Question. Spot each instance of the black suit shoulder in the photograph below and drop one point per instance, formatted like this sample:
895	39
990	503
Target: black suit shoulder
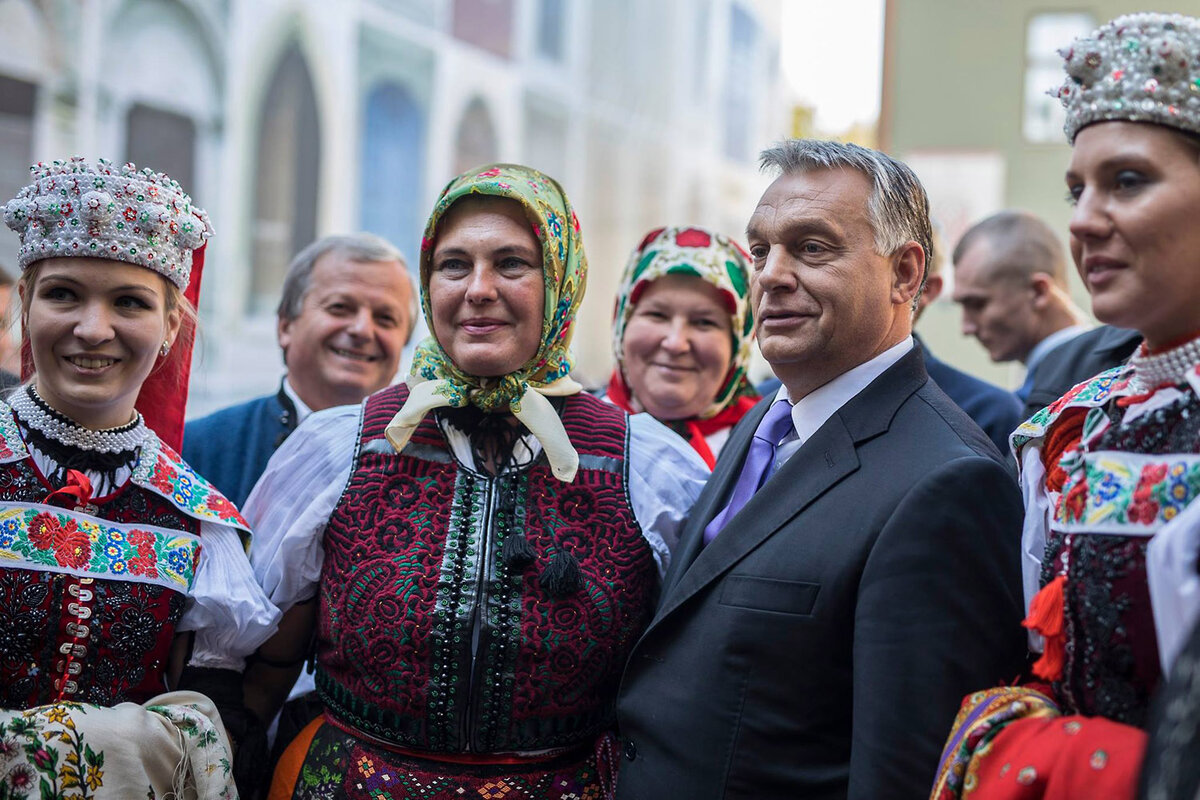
1075	361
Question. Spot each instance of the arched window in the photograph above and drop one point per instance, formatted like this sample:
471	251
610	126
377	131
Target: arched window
17	100
739	83
392	164
475	143
165	142
285	186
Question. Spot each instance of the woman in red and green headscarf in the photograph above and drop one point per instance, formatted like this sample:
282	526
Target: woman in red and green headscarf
483	542
682	335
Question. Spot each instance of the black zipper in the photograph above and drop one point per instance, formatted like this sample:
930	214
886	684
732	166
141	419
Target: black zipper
469	733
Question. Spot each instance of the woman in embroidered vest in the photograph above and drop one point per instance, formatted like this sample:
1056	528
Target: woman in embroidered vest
1109	471
483	543
116	559
682	333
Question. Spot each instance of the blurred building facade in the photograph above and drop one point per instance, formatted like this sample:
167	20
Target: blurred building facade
291	119
964	102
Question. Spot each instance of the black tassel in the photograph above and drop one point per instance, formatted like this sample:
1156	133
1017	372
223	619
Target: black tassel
562	576
516	553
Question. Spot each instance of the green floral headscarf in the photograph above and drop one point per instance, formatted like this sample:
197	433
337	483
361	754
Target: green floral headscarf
436	381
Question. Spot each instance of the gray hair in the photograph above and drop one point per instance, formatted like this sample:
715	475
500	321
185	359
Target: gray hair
898	208
1021	245
354	247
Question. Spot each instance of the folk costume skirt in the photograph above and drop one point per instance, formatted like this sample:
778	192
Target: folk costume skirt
327	762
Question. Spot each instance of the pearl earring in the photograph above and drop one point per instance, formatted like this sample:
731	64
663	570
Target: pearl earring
166	348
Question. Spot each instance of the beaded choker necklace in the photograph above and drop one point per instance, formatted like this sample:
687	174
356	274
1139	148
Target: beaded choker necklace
37	414
1168	367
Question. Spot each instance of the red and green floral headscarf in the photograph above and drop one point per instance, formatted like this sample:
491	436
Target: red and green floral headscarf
436	381
714	259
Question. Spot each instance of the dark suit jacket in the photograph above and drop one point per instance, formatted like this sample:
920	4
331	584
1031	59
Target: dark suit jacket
821	645
1073	362
995	410
231	447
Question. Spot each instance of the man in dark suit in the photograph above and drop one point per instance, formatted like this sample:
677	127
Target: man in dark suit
995	410
815	641
1010	277
1081	358
347	309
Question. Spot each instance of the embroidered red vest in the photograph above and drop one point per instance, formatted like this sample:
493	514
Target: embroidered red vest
90	598
429	640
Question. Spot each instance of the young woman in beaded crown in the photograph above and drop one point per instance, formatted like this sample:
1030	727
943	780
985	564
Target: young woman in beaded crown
117	561
1110	471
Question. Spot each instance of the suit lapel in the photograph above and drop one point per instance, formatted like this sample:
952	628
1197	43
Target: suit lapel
716	492
826	459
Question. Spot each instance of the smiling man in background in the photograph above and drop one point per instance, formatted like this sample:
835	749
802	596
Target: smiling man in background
347	310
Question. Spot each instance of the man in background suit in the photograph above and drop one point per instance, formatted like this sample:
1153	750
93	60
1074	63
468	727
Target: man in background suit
347	309
996	411
816	641
1085	356
1010	277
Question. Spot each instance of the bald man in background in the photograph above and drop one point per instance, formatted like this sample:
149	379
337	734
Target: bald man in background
1010	278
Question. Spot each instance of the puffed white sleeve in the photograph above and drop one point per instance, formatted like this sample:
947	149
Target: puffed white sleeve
294	499
665	478
227	609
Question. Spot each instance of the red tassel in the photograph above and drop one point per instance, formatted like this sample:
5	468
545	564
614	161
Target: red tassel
76	494
1046	618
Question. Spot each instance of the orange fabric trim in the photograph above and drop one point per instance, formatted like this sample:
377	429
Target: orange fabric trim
1065	434
287	771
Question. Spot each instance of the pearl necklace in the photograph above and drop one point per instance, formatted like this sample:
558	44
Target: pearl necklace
1167	368
35	412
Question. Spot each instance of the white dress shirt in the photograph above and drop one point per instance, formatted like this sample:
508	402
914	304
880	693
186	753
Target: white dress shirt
302	409
816	407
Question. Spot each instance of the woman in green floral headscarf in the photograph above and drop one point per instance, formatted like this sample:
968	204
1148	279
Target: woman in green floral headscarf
682	333
483	541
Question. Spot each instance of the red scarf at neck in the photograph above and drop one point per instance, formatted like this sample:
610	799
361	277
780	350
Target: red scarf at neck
694	430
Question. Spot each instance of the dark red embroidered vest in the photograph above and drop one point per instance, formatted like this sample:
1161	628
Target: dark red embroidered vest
89	640
427	638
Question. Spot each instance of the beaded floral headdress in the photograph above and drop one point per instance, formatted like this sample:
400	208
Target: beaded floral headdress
141	217
1139	67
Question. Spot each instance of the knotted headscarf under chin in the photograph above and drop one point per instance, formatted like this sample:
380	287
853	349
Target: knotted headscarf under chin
436	382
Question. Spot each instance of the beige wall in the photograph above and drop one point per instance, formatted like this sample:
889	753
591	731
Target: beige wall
953	83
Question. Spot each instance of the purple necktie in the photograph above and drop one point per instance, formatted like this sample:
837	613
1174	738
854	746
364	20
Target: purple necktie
774	426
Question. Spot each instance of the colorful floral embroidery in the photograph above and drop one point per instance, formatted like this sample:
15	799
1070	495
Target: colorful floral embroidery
1129	493
72	750
64	764
1093	392
160	469
55	539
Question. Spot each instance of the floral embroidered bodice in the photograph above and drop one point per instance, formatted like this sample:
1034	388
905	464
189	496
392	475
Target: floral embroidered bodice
91	593
1134	467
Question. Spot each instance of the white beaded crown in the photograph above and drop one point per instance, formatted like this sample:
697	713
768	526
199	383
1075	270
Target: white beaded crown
142	217
1139	67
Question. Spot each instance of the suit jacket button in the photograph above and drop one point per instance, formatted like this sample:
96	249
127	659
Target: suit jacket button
630	750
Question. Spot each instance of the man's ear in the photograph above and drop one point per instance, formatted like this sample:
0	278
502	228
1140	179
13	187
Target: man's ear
1042	286
934	285
908	267
283	333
